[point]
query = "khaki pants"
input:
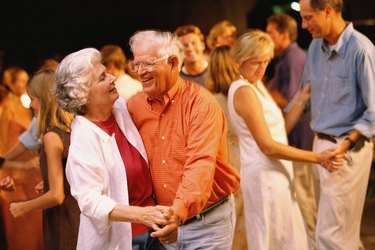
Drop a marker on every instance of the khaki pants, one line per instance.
(342, 197)
(306, 197)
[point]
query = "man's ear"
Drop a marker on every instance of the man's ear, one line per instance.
(173, 61)
(328, 11)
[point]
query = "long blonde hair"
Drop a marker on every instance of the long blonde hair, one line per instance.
(50, 114)
(222, 70)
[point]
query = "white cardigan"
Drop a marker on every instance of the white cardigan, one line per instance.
(97, 178)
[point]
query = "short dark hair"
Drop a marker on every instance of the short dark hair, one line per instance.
(285, 23)
(320, 4)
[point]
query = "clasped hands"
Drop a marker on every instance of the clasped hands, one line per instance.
(334, 158)
(164, 222)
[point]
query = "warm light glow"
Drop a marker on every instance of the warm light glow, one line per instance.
(295, 6)
(25, 99)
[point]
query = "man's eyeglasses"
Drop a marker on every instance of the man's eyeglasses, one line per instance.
(146, 65)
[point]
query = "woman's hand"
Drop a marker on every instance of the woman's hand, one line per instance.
(305, 95)
(18, 209)
(39, 188)
(156, 216)
(7, 184)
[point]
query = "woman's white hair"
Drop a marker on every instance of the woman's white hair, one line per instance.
(73, 79)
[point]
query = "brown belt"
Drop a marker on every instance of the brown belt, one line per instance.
(206, 211)
(326, 137)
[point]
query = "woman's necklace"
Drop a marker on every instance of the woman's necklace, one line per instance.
(243, 78)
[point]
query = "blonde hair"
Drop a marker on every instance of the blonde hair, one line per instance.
(50, 114)
(222, 70)
(217, 30)
(252, 44)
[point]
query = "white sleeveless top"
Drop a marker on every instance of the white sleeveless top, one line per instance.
(274, 119)
(273, 218)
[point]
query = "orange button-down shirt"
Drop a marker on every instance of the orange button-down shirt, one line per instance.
(185, 140)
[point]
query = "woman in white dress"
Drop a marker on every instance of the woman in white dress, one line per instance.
(273, 218)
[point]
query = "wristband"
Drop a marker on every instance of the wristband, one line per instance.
(2, 160)
(351, 142)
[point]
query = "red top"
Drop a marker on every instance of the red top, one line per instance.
(137, 171)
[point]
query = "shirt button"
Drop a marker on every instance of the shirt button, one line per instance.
(163, 161)
(165, 186)
(326, 78)
(163, 138)
(162, 114)
(172, 101)
(329, 61)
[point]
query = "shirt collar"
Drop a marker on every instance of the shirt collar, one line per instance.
(342, 42)
(170, 95)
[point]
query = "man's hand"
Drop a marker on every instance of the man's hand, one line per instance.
(168, 234)
(333, 159)
(7, 184)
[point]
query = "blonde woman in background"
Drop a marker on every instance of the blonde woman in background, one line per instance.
(60, 209)
(222, 33)
(273, 218)
(222, 71)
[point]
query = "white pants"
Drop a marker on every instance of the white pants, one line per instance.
(342, 196)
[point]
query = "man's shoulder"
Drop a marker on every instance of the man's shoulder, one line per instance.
(360, 41)
(197, 93)
(136, 100)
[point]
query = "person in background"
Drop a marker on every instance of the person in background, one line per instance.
(222, 71)
(114, 60)
(184, 131)
(24, 232)
(268, 192)
(107, 166)
(27, 141)
(222, 33)
(15, 117)
(194, 66)
(340, 66)
(289, 61)
(49, 63)
(60, 209)
(6, 184)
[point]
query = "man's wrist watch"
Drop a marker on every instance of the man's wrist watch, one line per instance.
(351, 143)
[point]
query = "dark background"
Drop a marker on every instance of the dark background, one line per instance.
(34, 30)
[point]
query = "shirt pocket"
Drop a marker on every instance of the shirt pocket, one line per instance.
(177, 151)
(341, 91)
